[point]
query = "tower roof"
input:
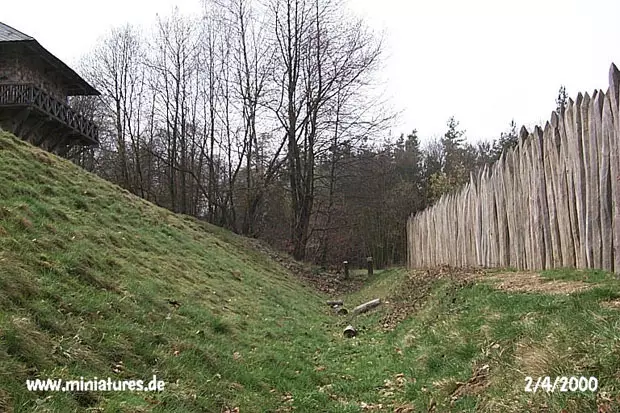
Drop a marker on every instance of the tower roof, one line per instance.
(12, 39)
(9, 34)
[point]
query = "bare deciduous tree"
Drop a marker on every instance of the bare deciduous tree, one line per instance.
(320, 53)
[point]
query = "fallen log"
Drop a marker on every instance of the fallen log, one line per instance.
(362, 308)
(349, 331)
(335, 302)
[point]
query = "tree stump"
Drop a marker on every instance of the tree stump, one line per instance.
(340, 310)
(349, 331)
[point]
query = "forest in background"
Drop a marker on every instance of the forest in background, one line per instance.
(267, 118)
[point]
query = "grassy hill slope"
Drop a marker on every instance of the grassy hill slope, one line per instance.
(88, 273)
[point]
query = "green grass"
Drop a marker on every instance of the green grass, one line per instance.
(91, 278)
(462, 328)
(590, 276)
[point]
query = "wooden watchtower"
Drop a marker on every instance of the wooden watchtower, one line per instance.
(34, 90)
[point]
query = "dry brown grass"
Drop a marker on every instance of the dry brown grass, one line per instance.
(533, 359)
(25, 224)
(5, 405)
(5, 213)
(612, 304)
(532, 282)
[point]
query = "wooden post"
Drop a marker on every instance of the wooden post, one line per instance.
(369, 264)
(345, 264)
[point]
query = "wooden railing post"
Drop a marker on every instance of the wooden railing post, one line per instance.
(369, 264)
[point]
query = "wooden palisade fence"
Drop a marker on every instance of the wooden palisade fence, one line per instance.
(552, 201)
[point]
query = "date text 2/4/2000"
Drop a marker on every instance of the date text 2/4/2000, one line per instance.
(561, 384)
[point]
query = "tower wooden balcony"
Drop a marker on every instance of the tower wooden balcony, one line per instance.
(29, 105)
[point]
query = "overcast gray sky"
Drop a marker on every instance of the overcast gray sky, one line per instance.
(483, 61)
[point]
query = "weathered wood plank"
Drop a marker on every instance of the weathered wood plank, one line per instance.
(536, 236)
(604, 201)
(541, 199)
(571, 182)
(524, 186)
(503, 258)
(586, 154)
(611, 122)
(509, 202)
(519, 211)
(579, 180)
(564, 198)
(550, 164)
(477, 223)
(493, 219)
(529, 200)
(594, 216)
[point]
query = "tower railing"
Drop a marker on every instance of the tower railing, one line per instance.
(29, 95)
